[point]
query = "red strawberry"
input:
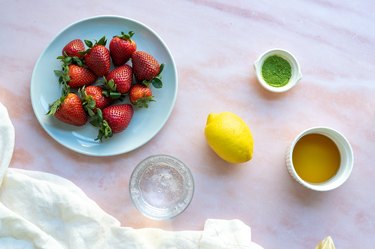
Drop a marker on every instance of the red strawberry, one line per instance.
(140, 95)
(116, 118)
(97, 57)
(121, 48)
(146, 68)
(73, 48)
(69, 109)
(122, 78)
(93, 98)
(75, 76)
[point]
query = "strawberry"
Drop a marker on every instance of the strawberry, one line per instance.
(140, 95)
(114, 119)
(74, 48)
(97, 57)
(146, 68)
(93, 98)
(118, 116)
(121, 48)
(75, 76)
(122, 77)
(69, 109)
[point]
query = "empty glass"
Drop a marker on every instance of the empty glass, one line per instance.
(161, 187)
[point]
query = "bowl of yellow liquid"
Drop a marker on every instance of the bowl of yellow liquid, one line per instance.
(320, 158)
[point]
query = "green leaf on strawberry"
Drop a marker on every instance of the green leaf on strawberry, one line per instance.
(97, 119)
(88, 43)
(156, 82)
(67, 60)
(126, 36)
(161, 68)
(110, 89)
(64, 77)
(88, 103)
(105, 131)
(102, 41)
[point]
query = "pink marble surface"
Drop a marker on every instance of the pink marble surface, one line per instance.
(214, 44)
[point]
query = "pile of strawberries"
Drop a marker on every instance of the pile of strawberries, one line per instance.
(92, 92)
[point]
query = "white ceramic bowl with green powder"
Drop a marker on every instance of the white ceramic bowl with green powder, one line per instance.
(277, 70)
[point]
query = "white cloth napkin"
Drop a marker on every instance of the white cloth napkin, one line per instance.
(44, 211)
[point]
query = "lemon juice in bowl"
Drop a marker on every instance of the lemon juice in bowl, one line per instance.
(316, 158)
(320, 158)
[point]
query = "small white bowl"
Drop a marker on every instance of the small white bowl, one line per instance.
(296, 70)
(346, 154)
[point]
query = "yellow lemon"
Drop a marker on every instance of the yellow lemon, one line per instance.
(327, 243)
(229, 136)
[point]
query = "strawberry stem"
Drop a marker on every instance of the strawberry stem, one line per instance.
(64, 78)
(90, 44)
(126, 36)
(104, 131)
(88, 102)
(110, 89)
(115, 95)
(67, 60)
(143, 102)
(56, 105)
(97, 119)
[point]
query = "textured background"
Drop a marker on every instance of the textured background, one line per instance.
(214, 44)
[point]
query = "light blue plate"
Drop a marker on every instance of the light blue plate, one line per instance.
(145, 124)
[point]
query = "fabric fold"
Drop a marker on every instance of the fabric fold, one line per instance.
(7, 137)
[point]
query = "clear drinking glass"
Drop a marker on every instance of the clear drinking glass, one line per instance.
(161, 187)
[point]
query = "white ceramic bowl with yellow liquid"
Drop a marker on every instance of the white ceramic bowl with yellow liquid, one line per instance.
(345, 161)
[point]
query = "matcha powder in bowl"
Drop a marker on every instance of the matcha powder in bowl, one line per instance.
(277, 70)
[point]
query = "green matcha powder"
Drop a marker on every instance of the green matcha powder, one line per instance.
(276, 71)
